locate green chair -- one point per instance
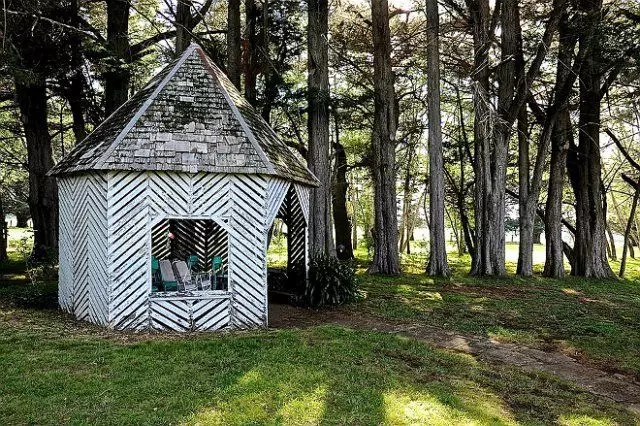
(155, 274)
(217, 271)
(192, 261)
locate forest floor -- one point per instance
(411, 351)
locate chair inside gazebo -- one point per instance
(189, 255)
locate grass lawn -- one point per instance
(59, 371)
(593, 319)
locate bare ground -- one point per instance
(620, 388)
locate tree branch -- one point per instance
(623, 150)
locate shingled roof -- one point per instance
(188, 118)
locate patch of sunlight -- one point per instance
(433, 295)
(505, 335)
(418, 408)
(583, 420)
(255, 406)
(308, 408)
(477, 308)
(249, 377)
(571, 291)
(209, 416)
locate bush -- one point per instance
(331, 282)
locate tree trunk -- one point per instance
(117, 77)
(612, 244)
(489, 193)
(554, 247)
(343, 223)
(584, 163)
(4, 237)
(75, 94)
(22, 218)
(463, 147)
(386, 259)
(407, 196)
(344, 249)
(354, 222)
(437, 265)
(627, 231)
(561, 138)
(526, 220)
(43, 191)
(320, 229)
(183, 25)
(251, 64)
(234, 50)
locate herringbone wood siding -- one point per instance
(111, 221)
(66, 194)
(247, 254)
(97, 247)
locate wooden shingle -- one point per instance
(188, 118)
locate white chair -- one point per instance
(184, 275)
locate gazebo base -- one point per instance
(190, 310)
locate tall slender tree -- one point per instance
(554, 260)
(320, 229)
(234, 49)
(484, 262)
(117, 77)
(343, 224)
(37, 54)
(386, 259)
(252, 15)
(183, 25)
(584, 162)
(438, 265)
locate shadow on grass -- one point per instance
(321, 375)
(324, 375)
(593, 319)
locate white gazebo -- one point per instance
(185, 157)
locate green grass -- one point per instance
(59, 371)
(593, 319)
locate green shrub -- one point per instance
(331, 282)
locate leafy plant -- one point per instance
(331, 282)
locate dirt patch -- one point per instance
(621, 388)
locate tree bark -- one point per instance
(43, 191)
(75, 95)
(3, 234)
(437, 265)
(561, 138)
(407, 195)
(117, 77)
(612, 244)
(463, 148)
(524, 267)
(584, 163)
(22, 218)
(320, 229)
(251, 54)
(489, 216)
(234, 50)
(183, 25)
(343, 224)
(627, 231)
(386, 259)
